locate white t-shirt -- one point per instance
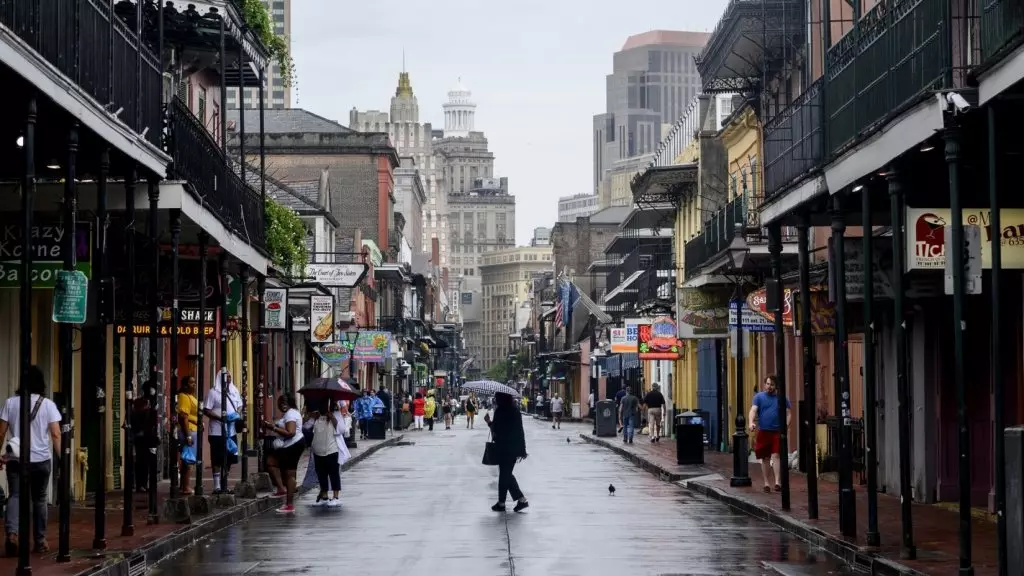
(590, 400)
(292, 415)
(556, 404)
(40, 427)
(212, 403)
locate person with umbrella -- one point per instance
(329, 451)
(510, 447)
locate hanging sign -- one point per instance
(70, 296)
(47, 253)
(373, 346)
(926, 236)
(275, 306)
(336, 275)
(658, 340)
(332, 354)
(321, 319)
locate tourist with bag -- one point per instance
(329, 451)
(188, 427)
(507, 446)
(44, 423)
(287, 448)
(219, 416)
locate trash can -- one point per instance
(689, 438)
(376, 428)
(607, 420)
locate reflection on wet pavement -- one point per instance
(424, 508)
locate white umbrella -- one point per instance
(490, 387)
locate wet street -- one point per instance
(424, 508)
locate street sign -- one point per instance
(70, 297)
(972, 260)
(752, 321)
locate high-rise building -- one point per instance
(572, 207)
(275, 93)
(541, 236)
(412, 139)
(653, 80)
(482, 220)
(505, 281)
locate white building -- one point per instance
(459, 112)
(579, 205)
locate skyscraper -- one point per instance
(653, 79)
(275, 94)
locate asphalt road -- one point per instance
(424, 509)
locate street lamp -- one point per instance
(737, 253)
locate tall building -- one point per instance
(572, 207)
(505, 282)
(275, 94)
(541, 236)
(483, 220)
(459, 112)
(652, 82)
(410, 198)
(412, 139)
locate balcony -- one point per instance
(714, 237)
(1002, 29)
(893, 58)
(98, 52)
(749, 40)
(199, 161)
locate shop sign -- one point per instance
(47, 253)
(752, 320)
(373, 346)
(823, 313)
(926, 236)
(336, 275)
(188, 322)
(275, 308)
(658, 340)
(332, 354)
(757, 301)
(855, 273)
(164, 330)
(702, 313)
(619, 340)
(321, 319)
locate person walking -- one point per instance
(188, 427)
(328, 446)
(446, 409)
(145, 440)
(218, 415)
(418, 411)
(629, 413)
(655, 403)
(470, 411)
(288, 446)
(429, 409)
(44, 426)
(364, 413)
(510, 443)
(591, 403)
(764, 419)
(556, 411)
(389, 409)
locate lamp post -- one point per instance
(737, 252)
(350, 341)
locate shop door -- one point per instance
(708, 385)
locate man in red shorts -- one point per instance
(764, 418)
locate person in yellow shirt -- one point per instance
(428, 410)
(188, 426)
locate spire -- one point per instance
(404, 86)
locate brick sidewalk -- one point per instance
(83, 557)
(935, 528)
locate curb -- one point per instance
(860, 559)
(154, 552)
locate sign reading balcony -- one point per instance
(336, 275)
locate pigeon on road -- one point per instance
(611, 490)
(567, 441)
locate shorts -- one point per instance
(766, 443)
(217, 451)
(288, 457)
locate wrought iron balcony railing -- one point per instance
(893, 57)
(715, 235)
(1002, 28)
(95, 50)
(199, 160)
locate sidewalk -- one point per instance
(935, 528)
(150, 543)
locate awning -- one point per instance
(622, 287)
(390, 271)
(655, 216)
(604, 265)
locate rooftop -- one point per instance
(667, 37)
(287, 121)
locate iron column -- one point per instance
(175, 312)
(775, 250)
(127, 522)
(153, 388)
(225, 290)
(244, 388)
(810, 416)
(871, 409)
(28, 190)
(99, 539)
(998, 394)
(204, 250)
(847, 498)
(740, 475)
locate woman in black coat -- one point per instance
(507, 434)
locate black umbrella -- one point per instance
(333, 388)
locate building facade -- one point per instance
(505, 278)
(576, 245)
(653, 79)
(572, 207)
(410, 200)
(541, 236)
(483, 220)
(275, 94)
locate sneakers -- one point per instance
(334, 503)
(319, 503)
(281, 492)
(521, 505)
(286, 509)
(11, 544)
(498, 507)
(42, 546)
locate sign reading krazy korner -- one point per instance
(927, 229)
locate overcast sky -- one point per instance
(536, 68)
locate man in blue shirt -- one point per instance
(764, 419)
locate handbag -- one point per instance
(188, 454)
(490, 452)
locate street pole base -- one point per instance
(740, 482)
(966, 571)
(99, 544)
(61, 558)
(874, 539)
(128, 530)
(908, 552)
(152, 519)
(24, 570)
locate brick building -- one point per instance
(577, 244)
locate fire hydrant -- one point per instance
(82, 459)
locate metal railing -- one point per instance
(794, 142)
(715, 236)
(199, 160)
(829, 461)
(1002, 27)
(95, 50)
